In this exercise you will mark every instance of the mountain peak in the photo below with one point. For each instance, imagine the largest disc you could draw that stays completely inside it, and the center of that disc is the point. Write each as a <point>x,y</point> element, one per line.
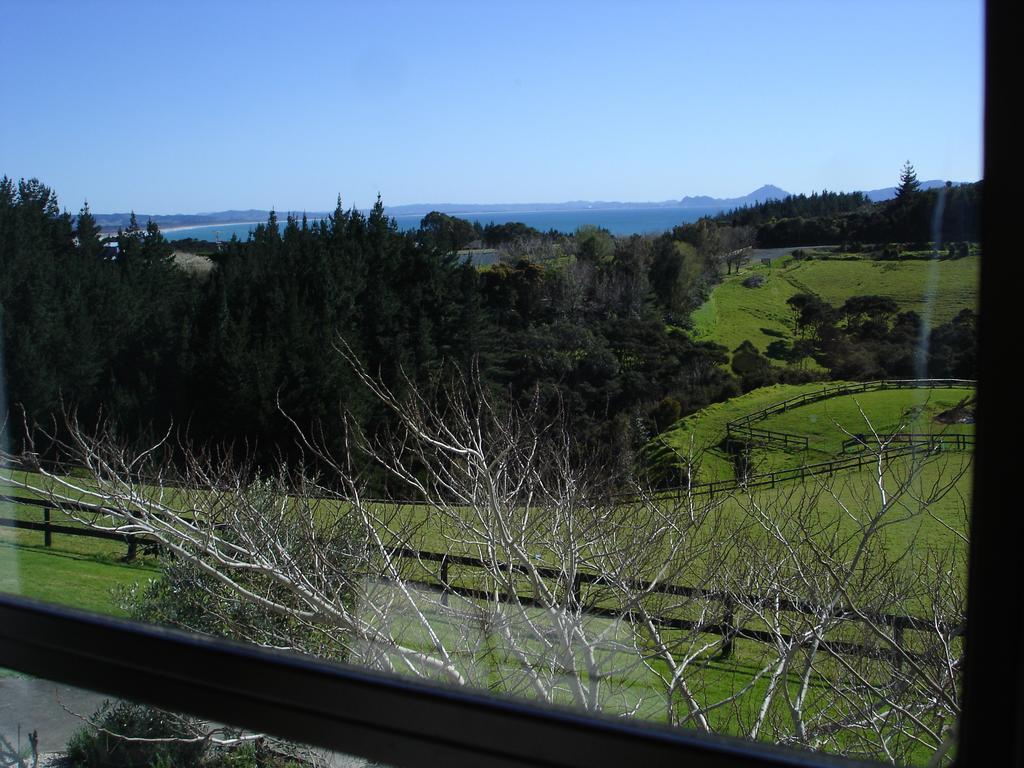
<point>769,191</point>
<point>759,195</point>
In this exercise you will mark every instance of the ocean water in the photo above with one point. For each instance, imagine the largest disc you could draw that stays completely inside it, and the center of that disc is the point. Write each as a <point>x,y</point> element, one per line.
<point>639,221</point>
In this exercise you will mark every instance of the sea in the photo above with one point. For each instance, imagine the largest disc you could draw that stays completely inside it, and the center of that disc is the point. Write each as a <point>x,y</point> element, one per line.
<point>618,221</point>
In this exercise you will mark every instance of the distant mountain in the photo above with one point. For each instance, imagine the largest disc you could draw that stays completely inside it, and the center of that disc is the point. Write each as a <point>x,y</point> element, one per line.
<point>888,193</point>
<point>767,192</point>
<point>111,221</point>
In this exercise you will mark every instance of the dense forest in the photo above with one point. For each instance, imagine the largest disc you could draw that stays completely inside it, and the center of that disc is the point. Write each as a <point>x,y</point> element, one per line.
<point>596,331</point>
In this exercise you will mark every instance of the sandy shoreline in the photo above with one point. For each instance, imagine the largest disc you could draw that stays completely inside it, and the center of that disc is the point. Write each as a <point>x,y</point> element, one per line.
<point>179,227</point>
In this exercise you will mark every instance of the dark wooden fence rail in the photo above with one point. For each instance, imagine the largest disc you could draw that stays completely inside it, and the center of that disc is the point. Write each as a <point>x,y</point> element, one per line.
<point>771,479</point>
<point>758,436</point>
<point>735,429</point>
<point>859,441</point>
<point>49,528</point>
<point>837,390</point>
<point>443,584</point>
<point>740,431</point>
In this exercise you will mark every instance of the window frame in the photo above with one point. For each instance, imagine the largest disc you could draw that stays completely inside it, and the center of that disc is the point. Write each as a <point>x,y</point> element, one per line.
<point>410,723</point>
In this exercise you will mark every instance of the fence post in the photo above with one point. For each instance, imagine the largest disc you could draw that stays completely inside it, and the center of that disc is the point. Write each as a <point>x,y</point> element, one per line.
<point>47,533</point>
<point>445,586</point>
<point>897,636</point>
<point>132,548</point>
<point>728,630</point>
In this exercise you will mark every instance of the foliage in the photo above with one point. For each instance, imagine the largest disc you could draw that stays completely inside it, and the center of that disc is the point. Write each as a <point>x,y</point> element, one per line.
<point>91,747</point>
<point>909,185</point>
<point>824,203</point>
<point>242,352</point>
<point>127,735</point>
<point>947,214</point>
<point>501,234</point>
<point>500,486</point>
<point>937,289</point>
<point>868,339</point>
<point>445,233</point>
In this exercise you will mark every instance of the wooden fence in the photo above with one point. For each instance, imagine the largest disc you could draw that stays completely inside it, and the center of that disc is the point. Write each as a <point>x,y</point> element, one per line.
<point>764,437</point>
<point>838,390</point>
<point>771,479</point>
<point>725,625</point>
<point>860,442</point>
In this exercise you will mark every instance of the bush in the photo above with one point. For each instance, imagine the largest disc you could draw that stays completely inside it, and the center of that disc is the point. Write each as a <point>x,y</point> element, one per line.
<point>666,413</point>
<point>93,748</point>
<point>754,281</point>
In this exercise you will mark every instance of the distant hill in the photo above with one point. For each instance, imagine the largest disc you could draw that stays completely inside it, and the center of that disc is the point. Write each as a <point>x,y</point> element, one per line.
<point>759,195</point>
<point>111,221</point>
<point>767,192</point>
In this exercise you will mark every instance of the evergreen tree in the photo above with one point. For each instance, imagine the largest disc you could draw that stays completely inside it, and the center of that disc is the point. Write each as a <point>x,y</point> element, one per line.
<point>88,233</point>
<point>909,184</point>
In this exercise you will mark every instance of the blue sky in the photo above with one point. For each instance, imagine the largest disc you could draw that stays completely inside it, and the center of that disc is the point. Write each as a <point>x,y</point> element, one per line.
<point>188,107</point>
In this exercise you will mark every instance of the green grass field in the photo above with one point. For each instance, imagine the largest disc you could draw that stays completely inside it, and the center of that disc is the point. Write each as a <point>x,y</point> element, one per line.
<point>699,435</point>
<point>74,571</point>
<point>84,572</point>
<point>734,313</point>
<point>87,573</point>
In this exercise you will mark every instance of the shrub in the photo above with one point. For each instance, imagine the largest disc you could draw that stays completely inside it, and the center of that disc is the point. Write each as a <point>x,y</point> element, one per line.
<point>94,748</point>
<point>754,281</point>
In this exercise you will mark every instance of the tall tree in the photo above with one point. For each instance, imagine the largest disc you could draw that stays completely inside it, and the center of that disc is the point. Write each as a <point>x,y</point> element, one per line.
<point>88,233</point>
<point>909,185</point>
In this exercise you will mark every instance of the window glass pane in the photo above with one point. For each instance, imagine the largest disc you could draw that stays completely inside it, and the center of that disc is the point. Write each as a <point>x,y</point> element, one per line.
<point>704,462</point>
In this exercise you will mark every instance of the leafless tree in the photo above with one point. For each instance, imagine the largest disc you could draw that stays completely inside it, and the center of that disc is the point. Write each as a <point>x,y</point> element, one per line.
<point>575,594</point>
<point>736,244</point>
<point>534,248</point>
<point>863,624</point>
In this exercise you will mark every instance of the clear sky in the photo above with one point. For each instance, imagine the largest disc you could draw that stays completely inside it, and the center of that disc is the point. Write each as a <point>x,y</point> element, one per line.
<point>169,107</point>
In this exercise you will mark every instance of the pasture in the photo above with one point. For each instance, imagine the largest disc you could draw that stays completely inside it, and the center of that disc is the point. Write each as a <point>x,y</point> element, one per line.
<point>84,572</point>
<point>90,574</point>
<point>936,289</point>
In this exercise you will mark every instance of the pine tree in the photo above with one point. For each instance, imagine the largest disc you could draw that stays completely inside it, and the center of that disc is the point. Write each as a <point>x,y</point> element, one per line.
<point>909,184</point>
<point>88,233</point>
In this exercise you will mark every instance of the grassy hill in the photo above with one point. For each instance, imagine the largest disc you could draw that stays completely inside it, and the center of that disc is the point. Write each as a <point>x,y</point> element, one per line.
<point>825,423</point>
<point>734,313</point>
<point>85,573</point>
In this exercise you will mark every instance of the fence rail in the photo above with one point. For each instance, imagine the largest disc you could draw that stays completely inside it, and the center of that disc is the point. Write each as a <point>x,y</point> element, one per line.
<point>726,626</point>
<point>839,390</point>
<point>754,435</point>
<point>771,479</point>
<point>49,528</point>
<point>959,442</point>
